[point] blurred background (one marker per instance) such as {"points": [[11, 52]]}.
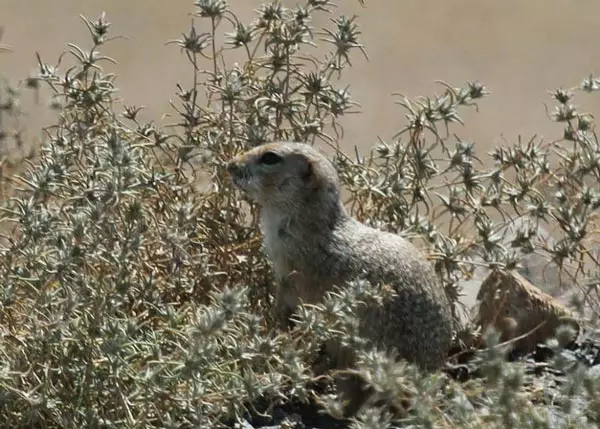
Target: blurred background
{"points": [[519, 49]]}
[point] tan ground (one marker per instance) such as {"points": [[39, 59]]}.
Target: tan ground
{"points": [[519, 49]]}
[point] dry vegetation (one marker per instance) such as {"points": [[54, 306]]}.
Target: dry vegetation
{"points": [[132, 297]]}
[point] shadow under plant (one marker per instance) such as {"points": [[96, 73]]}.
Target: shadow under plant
{"points": [[132, 299]]}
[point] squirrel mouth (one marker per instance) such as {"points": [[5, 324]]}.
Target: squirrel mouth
{"points": [[240, 182], [237, 176]]}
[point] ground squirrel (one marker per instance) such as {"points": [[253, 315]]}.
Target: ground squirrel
{"points": [[314, 244]]}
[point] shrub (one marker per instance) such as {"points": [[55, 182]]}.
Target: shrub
{"points": [[133, 296]]}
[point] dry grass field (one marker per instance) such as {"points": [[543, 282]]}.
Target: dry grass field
{"points": [[519, 49]]}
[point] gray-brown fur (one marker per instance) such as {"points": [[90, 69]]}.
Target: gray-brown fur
{"points": [[315, 244]]}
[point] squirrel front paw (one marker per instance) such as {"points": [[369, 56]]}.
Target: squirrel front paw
{"points": [[282, 314], [286, 300]]}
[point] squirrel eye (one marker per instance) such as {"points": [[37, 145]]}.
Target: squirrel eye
{"points": [[270, 158]]}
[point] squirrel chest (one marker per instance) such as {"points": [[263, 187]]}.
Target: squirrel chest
{"points": [[276, 243], [291, 258]]}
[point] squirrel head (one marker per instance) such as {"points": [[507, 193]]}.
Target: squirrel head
{"points": [[285, 175]]}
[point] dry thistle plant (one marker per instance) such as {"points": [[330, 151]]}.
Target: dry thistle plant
{"points": [[132, 299]]}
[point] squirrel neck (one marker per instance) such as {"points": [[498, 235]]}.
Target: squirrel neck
{"points": [[289, 228]]}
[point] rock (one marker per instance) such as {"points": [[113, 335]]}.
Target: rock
{"points": [[514, 307], [537, 267]]}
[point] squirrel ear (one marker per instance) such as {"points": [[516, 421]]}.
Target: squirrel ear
{"points": [[308, 174]]}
